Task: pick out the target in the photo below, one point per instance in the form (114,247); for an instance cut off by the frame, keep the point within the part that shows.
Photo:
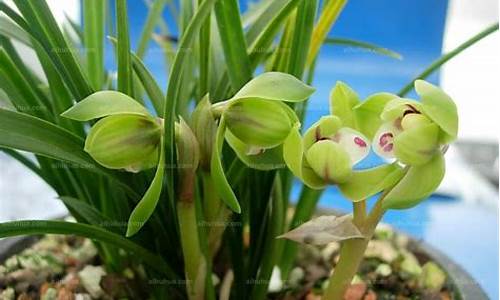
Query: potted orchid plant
(183,192)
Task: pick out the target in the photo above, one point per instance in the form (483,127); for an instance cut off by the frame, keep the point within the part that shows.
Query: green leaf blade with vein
(149,83)
(233,42)
(364,45)
(37,227)
(44,28)
(93,29)
(24,132)
(154,14)
(125,78)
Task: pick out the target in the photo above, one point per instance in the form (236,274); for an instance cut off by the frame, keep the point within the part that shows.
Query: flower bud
(124,142)
(258,123)
(204,128)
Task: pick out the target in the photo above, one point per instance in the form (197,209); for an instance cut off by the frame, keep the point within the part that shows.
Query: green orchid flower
(258,121)
(413,132)
(255,122)
(126,136)
(326,154)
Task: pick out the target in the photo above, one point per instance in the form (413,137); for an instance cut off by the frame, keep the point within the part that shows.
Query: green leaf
(366,183)
(233,42)
(93,30)
(367,113)
(125,78)
(89,213)
(364,45)
(416,146)
(154,92)
(419,183)
(258,122)
(13,31)
(293,151)
(329,161)
(268,159)
(104,103)
(123,141)
(439,107)
(435,65)
(221,184)
(342,101)
(301,39)
(154,14)
(145,208)
(38,227)
(275,86)
(24,132)
(329,15)
(44,28)
(175,85)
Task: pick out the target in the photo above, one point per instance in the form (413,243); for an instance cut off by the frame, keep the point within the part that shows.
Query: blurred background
(461,219)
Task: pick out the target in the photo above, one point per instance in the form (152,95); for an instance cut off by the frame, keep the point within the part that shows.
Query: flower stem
(352,251)
(194,262)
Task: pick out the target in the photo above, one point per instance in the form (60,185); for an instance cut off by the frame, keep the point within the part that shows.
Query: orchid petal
(123,141)
(356,144)
(330,161)
(398,108)
(438,106)
(258,122)
(275,86)
(366,183)
(419,183)
(325,128)
(368,112)
(342,101)
(416,146)
(254,157)
(293,151)
(383,143)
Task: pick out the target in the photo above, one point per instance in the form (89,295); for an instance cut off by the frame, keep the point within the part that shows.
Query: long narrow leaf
(149,83)
(93,26)
(330,13)
(443,59)
(233,42)
(44,28)
(125,79)
(303,28)
(364,45)
(24,132)
(174,86)
(11,30)
(36,227)
(147,30)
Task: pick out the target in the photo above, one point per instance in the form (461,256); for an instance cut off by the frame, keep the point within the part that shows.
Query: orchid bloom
(331,151)
(412,132)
